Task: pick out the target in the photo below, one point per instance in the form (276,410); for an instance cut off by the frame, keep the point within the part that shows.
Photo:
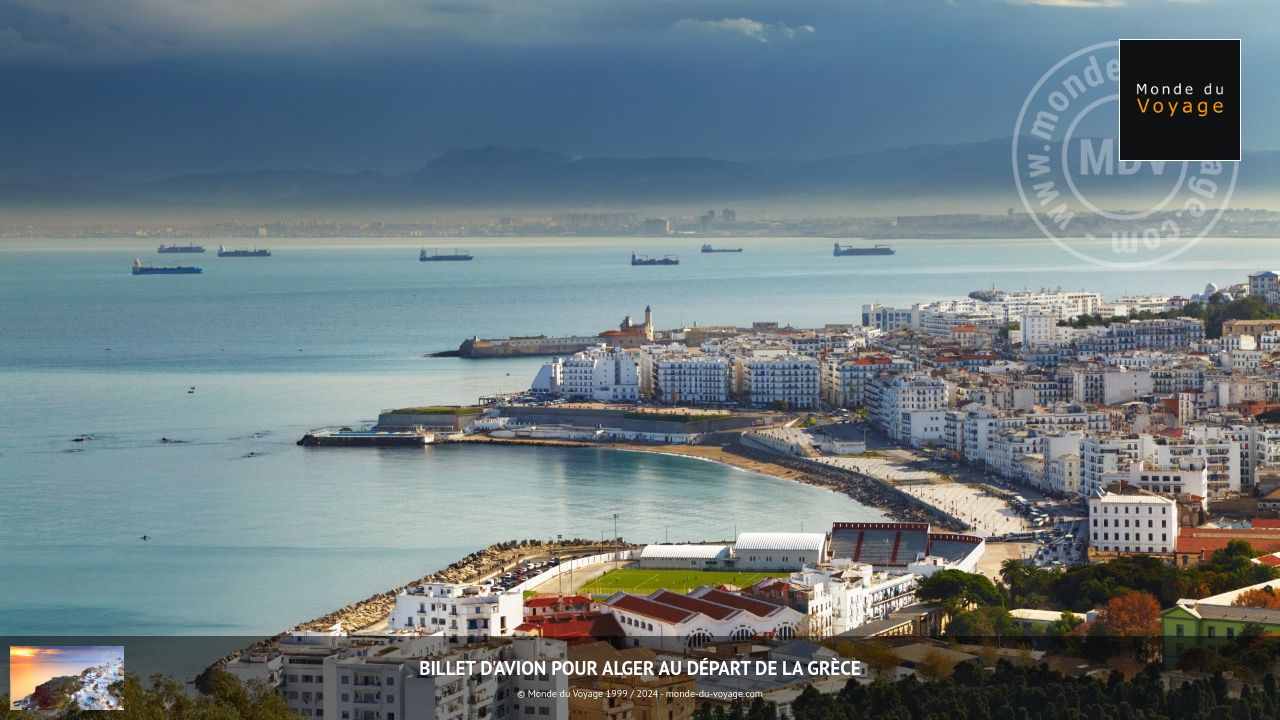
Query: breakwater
(494,559)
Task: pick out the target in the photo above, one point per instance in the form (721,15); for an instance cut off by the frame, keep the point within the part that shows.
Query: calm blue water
(330,332)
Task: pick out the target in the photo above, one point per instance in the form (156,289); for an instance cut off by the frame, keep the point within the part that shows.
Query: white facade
(789,379)
(844,379)
(377,678)
(1038,329)
(778,551)
(670,621)
(461,613)
(1101,456)
(1133,523)
(696,379)
(599,373)
(893,399)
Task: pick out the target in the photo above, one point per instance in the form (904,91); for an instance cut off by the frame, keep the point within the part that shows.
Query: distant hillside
(513,177)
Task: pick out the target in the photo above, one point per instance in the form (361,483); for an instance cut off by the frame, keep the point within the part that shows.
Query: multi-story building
(1038,328)
(1265,284)
(1110,385)
(677,376)
(599,373)
(1158,334)
(1102,455)
(778,380)
(461,613)
(1133,523)
(844,379)
(908,406)
(380,678)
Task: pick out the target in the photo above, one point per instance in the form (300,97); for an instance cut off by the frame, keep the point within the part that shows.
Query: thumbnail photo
(51,680)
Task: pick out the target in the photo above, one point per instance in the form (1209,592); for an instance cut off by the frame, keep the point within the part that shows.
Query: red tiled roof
(1267,523)
(712,610)
(595,625)
(648,608)
(1273,560)
(553,600)
(759,608)
(1210,540)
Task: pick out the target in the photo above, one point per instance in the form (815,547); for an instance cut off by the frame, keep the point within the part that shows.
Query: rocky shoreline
(472,568)
(496,558)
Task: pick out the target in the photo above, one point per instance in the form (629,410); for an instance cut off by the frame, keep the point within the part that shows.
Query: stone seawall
(868,490)
(497,558)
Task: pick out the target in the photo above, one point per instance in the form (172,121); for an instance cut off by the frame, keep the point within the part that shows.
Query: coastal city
(1040,455)
(682,360)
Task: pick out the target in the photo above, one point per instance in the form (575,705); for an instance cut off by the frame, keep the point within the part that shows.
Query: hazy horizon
(147,89)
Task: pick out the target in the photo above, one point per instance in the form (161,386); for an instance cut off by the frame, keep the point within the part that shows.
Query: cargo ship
(224,252)
(842,250)
(180,249)
(436,256)
(646,260)
(708,249)
(149,269)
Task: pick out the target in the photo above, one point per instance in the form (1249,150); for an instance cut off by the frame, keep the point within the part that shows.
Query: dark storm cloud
(142,88)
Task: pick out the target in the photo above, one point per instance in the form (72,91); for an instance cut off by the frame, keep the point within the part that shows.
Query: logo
(1082,196)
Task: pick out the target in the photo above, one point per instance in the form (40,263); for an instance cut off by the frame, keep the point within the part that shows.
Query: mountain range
(495,176)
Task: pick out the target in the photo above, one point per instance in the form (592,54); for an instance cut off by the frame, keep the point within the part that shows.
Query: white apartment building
(1039,329)
(1102,455)
(844,379)
(387,686)
(1133,523)
(887,319)
(892,400)
(378,678)
(1187,476)
(1220,456)
(599,373)
(461,613)
(1265,283)
(779,379)
(1062,474)
(1110,385)
(677,376)
(1159,334)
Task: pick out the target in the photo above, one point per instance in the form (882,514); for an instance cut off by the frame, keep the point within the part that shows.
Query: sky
(143,89)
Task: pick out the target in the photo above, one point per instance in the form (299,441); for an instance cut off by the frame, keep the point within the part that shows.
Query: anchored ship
(224,252)
(437,256)
(708,249)
(149,269)
(842,250)
(646,260)
(179,249)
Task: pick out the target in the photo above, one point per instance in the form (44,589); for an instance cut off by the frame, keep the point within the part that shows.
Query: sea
(189,392)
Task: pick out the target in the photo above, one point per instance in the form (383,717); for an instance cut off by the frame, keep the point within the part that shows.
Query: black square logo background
(1181,136)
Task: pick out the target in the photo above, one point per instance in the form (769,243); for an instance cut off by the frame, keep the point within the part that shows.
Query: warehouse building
(684,557)
(779,551)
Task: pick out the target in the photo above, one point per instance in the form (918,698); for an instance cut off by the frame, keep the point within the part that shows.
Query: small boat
(149,269)
(437,256)
(236,252)
(843,250)
(180,249)
(706,248)
(646,260)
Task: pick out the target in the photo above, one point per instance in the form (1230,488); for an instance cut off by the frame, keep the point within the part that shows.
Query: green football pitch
(643,582)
